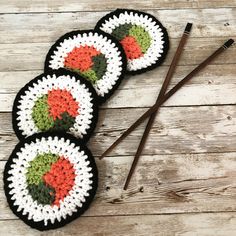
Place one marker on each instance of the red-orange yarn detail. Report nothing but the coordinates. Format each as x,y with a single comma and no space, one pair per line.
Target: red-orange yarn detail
81,58
61,177
131,47
60,101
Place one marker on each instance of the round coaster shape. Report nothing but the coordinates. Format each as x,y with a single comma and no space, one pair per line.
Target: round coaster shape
142,36
58,101
96,56
49,180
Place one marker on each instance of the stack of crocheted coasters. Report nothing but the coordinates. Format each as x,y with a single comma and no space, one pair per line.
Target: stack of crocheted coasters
51,177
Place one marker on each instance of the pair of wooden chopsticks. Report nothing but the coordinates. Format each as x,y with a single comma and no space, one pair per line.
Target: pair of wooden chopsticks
163,97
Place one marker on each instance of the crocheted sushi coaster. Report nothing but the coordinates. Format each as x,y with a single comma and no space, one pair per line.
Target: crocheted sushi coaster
97,56
142,36
58,101
50,179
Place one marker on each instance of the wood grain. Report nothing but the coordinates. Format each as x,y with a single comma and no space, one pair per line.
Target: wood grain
34,54
14,6
218,224
224,74
197,94
47,27
203,129
185,181
162,184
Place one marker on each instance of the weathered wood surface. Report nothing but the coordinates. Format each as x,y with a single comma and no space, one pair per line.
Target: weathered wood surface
217,224
208,88
185,183
176,130
31,56
162,184
47,27
224,74
16,6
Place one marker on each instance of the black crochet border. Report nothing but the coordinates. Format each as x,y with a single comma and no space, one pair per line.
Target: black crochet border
117,12
102,99
59,72
40,225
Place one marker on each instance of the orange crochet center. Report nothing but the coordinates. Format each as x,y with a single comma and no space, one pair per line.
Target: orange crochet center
81,58
131,47
61,177
61,101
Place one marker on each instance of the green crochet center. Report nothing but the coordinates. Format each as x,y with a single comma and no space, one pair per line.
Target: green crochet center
121,31
40,114
90,75
138,32
99,65
41,193
97,70
65,123
39,166
43,120
142,36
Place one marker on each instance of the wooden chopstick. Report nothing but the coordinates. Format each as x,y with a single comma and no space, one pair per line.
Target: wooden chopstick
162,92
151,110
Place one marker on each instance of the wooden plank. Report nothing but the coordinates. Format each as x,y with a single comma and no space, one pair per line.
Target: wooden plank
162,184
181,130
47,27
31,56
13,81
176,130
209,88
209,94
15,6
219,224
179,175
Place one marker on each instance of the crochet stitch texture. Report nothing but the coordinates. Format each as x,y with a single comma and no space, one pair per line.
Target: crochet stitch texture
142,36
96,56
134,39
50,179
56,101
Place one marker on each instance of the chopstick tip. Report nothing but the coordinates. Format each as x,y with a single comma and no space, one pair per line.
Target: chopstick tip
125,186
103,155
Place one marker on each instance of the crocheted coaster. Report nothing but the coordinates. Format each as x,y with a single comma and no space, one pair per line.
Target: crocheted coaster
142,36
49,180
96,56
58,101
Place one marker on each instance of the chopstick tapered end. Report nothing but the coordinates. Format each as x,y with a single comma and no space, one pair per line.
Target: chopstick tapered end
228,43
104,154
188,27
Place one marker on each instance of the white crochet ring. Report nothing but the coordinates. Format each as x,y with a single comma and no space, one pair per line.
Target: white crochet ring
142,36
58,101
95,55
49,180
